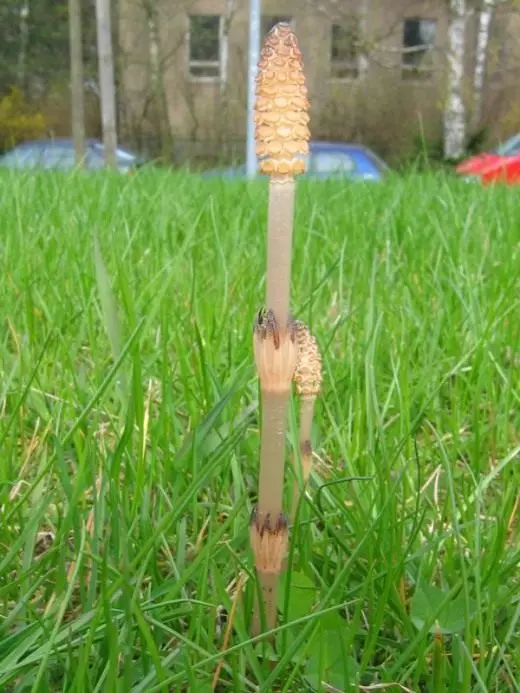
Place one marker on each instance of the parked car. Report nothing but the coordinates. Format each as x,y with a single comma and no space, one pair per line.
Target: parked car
502,164
59,154
328,160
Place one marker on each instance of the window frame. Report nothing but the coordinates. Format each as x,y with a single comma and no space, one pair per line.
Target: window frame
353,66
419,74
205,63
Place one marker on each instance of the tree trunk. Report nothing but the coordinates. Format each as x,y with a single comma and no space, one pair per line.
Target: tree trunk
224,42
157,80
24,38
106,81
223,133
484,30
454,110
363,26
362,104
76,80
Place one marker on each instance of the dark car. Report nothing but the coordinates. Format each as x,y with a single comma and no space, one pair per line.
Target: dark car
329,160
59,154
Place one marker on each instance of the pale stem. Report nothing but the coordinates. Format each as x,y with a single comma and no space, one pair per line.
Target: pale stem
269,587
270,492
306,417
279,246
272,454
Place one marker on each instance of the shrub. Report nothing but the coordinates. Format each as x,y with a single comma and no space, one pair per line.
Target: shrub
18,121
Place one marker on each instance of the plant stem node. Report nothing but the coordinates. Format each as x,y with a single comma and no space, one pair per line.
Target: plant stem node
306,448
268,540
275,352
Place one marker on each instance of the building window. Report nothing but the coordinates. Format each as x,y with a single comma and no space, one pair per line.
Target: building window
268,21
418,44
344,52
204,46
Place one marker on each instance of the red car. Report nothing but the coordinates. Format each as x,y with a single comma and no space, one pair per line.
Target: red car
503,164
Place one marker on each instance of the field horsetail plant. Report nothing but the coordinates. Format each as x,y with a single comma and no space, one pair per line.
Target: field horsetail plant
307,378
282,136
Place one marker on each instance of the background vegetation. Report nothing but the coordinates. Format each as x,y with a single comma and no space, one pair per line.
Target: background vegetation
400,119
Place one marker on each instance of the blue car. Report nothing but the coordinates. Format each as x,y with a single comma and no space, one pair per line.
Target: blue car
59,154
329,160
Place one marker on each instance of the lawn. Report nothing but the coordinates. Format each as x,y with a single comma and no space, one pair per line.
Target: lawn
129,437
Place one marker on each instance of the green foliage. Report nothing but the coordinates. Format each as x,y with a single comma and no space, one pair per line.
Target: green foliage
477,140
34,51
440,610
428,155
109,308
17,121
125,510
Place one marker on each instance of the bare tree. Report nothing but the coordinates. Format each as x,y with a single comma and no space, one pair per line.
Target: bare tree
483,34
363,30
152,41
454,109
76,80
225,28
106,81
351,95
24,38
487,12
158,96
369,45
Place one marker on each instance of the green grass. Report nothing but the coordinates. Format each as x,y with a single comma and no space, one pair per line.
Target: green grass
129,436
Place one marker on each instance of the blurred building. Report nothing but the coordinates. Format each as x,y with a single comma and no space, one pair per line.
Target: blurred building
375,69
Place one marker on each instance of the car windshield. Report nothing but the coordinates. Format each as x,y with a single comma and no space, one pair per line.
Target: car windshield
510,147
123,155
22,157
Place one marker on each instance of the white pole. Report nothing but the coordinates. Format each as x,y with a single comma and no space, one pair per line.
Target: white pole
254,55
106,81
76,81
